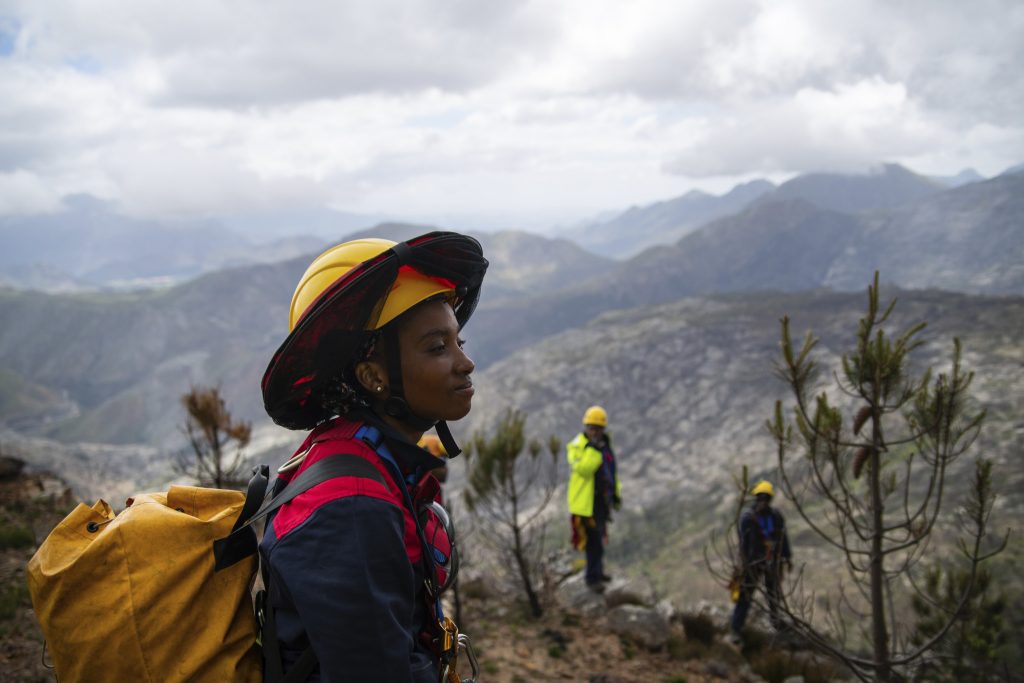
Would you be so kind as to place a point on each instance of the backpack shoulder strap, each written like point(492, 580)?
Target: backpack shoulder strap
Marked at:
point(241, 542)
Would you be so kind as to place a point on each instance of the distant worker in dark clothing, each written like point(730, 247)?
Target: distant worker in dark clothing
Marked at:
point(764, 551)
point(593, 492)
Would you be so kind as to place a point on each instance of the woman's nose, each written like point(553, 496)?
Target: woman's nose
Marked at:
point(465, 364)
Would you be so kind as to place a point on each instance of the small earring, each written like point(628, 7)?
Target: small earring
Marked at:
point(379, 388)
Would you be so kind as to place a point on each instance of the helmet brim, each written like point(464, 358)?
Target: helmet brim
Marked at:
point(332, 331)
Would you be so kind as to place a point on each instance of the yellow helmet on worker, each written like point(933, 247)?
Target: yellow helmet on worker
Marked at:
point(764, 486)
point(410, 288)
point(595, 415)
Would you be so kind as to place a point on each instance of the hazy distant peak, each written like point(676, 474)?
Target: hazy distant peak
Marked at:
point(664, 222)
point(887, 186)
point(964, 177)
point(391, 230)
point(750, 190)
point(1013, 170)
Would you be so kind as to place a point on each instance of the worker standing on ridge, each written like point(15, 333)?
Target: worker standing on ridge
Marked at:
point(593, 492)
point(764, 551)
point(355, 564)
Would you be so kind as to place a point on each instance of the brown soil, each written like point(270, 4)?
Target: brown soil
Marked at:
point(33, 504)
point(560, 646)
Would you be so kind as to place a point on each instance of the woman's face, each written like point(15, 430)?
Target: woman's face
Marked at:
point(435, 370)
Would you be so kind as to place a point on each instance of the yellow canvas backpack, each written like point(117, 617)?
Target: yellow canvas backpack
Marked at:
point(136, 596)
point(162, 592)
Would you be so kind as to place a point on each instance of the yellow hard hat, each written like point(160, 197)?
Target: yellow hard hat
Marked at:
point(595, 415)
point(431, 444)
point(763, 486)
point(353, 288)
point(410, 288)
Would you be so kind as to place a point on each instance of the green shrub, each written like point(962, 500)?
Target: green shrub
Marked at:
point(12, 596)
point(774, 667)
point(699, 627)
point(570, 619)
point(683, 649)
point(725, 654)
point(777, 666)
point(756, 640)
point(556, 651)
point(15, 537)
point(677, 679)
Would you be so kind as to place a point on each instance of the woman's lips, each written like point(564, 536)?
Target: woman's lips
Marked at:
point(466, 390)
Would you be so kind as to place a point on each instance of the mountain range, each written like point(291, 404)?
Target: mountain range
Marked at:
point(89, 245)
point(102, 367)
point(639, 228)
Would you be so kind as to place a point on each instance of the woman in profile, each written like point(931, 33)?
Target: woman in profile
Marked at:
point(374, 359)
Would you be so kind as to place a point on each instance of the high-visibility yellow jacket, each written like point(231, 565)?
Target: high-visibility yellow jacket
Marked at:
point(584, 461)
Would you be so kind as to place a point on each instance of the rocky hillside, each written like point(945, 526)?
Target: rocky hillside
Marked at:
point(110, 367)
point(689, 386)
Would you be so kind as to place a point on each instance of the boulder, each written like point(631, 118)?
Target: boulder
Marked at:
point(574, 594)
point(631, 591)
point(642, 625)
point(666, 609)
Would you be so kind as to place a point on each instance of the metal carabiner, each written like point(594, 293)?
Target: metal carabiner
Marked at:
point(450, 647)
point(464, 644)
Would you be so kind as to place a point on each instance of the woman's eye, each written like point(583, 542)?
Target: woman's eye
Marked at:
point(441, 347)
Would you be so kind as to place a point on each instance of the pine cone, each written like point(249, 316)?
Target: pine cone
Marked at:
point(862, 416)
point(859, 458)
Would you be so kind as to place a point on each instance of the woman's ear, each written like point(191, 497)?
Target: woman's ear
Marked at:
point(371, 375)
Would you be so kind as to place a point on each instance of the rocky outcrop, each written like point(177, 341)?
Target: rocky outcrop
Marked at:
point(626, 606)
point(643, 625)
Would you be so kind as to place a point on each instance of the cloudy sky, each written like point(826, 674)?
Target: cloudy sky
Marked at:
point(512, 113)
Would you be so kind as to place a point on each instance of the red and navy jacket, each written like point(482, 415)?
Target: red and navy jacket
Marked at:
point(344, 564)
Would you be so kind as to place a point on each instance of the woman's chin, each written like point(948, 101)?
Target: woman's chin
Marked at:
point(459, 412)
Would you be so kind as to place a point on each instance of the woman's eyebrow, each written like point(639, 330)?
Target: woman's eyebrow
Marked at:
point(438, 332)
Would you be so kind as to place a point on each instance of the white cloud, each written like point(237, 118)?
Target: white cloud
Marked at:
point(236, 53)
point(22, 192)
point(849, 128)
point(512, 107)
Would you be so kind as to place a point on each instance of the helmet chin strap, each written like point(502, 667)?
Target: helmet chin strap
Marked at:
point(447, 440)
point(397, 407)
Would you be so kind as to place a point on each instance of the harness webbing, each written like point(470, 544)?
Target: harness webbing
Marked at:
point(373, 437)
